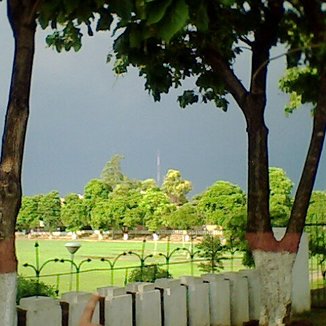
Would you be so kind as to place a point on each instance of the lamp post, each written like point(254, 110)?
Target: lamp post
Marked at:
point(72, 247)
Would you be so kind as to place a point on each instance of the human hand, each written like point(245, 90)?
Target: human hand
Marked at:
point(86, 318)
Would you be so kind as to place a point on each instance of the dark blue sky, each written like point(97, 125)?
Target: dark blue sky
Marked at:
point(81, 114)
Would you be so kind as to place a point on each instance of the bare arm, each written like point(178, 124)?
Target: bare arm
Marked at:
point(86, 318)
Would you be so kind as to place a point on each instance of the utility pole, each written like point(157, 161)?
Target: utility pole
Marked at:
point(158, 168)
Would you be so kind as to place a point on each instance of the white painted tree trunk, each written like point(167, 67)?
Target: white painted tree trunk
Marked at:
point(8, 282)
point(275, 272)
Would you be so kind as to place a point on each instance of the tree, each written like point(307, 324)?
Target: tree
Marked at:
point(49, 209)
point(224, 204)
point(28, 217)
point(111, 173)
point(184, 217)
point(317, 208)
point(316, 219)
point(172, 40)
point(211, 249)
point(148, 184)
point(123, 207)
point(221, 203)
point(101, 217)
point(94, 191)
point(22, 19)
point(156, 205)
point(175, 187)
point(73, 212)
point(280, 196)
point(24, 16)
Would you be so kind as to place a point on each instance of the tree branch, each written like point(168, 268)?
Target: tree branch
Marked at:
point(232, 83)
point(301, 202)
point(265, 38)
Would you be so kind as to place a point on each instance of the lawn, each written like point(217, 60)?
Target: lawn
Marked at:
point(96, 273)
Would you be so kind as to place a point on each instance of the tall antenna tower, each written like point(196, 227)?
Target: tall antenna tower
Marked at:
point(158, 168)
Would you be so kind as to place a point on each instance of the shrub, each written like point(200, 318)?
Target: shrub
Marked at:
point(148, 274)
point(29, 287)
point(212, 250)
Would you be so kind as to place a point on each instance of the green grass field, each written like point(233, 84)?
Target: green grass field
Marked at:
point(97, 273)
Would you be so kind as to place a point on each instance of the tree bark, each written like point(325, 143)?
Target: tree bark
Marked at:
point(275, 273)
point(21, 16)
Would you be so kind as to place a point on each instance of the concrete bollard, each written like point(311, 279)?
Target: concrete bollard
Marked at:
point(174, 302)
point(239, 298)
point(147, 303)
point(219, 299)
point(198, 301)
point(111, 291)
point(118, 306)
point(253, 292)
point(77, 302)
point(41, 311)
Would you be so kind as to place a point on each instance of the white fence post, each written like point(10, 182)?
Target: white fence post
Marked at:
point(118, 306)
point(147, 305)
point(174, 301)
point(41, 311)
point(219, 299)
point(77, 302)
point(198, 301)
point(254, 292)
point(239, 298)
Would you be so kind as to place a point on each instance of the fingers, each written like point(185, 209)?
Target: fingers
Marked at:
point(86, 318)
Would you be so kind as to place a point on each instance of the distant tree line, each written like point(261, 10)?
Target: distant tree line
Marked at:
point(116, 202)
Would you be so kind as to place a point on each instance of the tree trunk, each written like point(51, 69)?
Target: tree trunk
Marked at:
point(275, 273)
point(273, 257)
point(21, 15)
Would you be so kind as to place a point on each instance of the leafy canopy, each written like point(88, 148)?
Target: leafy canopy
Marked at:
point(170, 40)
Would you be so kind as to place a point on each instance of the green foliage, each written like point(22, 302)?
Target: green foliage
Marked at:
point(248, 258)
point(184, 217)
point(175, 187)
point(49, 208)
point(155, 205)
point(280, 196)
point(317, 208)
point(111, 174)
point(74, 212)
point(301, 83)
point(148, 184)
point(168, 42)
point(173, 21)
point(69, 38)
point(188, 97)
point(101, 215)
point(29, 287)
point(148, 273)
point(222, 202)
point(124, 206)
point(316, 216)
point(29, 216)
point(211, 249)
point(68, 18)
point(95, 190)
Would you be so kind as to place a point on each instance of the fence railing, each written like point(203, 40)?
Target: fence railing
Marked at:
point(147, 265)
point(225, 299)
point(317, 262)
point(142, 265)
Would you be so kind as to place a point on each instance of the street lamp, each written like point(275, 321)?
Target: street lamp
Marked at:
point(72, 247)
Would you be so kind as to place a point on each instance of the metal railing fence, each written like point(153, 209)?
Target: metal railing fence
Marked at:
point(143, 265)
point(317, 262)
